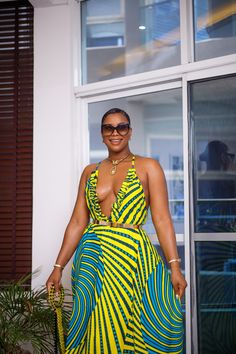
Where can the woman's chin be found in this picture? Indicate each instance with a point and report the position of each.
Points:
(116, 147)
(116, 144)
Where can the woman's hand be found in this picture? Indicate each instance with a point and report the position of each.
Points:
(54, 280)
(178, 281)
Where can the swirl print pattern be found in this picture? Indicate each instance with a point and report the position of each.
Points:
(124, 301)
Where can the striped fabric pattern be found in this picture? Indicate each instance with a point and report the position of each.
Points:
(124, 301)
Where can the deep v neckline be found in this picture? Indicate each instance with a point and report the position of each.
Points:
(117, 196)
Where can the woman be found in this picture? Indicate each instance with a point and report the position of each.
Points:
(124, 299)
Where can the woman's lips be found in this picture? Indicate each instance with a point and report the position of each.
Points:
(115, 141)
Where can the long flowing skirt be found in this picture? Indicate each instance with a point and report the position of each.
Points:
(124, 301)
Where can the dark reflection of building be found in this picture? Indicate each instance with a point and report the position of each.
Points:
(216, 189)
(215, 182)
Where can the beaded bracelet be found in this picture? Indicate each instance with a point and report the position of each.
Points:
(175, 260)
(58, 266)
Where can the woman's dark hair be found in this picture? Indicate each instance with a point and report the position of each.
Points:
(113, 111)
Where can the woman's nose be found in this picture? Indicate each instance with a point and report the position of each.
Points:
(115, 132)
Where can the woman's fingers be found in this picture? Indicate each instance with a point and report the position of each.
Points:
(54, 280)
(177, 290)
(179, 286)
(49, 285)
(56, 285)
(181, 291)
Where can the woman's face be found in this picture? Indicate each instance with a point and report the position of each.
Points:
(116, 142)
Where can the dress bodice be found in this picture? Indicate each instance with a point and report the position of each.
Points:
(130, 203)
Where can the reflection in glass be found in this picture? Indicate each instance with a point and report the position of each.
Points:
(217, 158)
(156, 120)
(215, 28)
(120, 37)
(214, 174)
(98, 36)
(216, 297)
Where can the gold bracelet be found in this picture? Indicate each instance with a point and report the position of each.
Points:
(58, 266)
(175, 260)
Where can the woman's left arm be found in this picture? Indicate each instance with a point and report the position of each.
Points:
(163, 224)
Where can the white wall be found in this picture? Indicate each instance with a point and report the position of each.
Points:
(54, 189)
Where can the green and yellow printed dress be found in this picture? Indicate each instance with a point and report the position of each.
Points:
(124, 301)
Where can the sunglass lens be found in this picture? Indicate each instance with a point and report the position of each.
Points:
(107, 129)
(123, 129)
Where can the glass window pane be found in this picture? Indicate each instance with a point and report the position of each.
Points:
(157, 132)
(105, 8)
(121, 38)
(213, 112)
(216, 297)
(215, 28)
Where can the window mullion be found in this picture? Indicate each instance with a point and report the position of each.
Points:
(186, 31)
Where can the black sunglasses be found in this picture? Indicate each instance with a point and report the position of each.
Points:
(122, 129)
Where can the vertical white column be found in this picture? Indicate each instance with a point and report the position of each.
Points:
(53, 167)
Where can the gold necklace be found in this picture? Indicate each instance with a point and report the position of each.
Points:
(115, 163)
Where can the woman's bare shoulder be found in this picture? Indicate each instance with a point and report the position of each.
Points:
(148, 163)
(88, 170)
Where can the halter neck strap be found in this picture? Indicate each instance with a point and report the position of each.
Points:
(133, 159)
(98, 164)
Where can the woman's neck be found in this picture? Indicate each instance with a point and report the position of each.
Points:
(118, 155)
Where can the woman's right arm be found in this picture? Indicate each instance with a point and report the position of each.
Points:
(73, 233)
